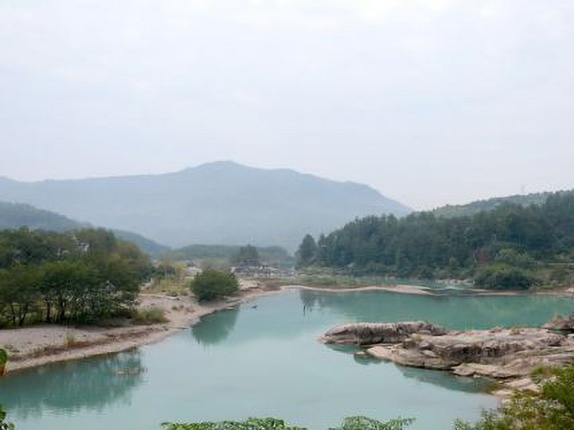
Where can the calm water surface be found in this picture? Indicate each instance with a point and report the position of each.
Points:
(263, 360)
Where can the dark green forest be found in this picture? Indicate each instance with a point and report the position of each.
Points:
(511, 246)
(83, 276)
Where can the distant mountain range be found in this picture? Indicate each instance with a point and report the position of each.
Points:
(17, 215)
(451, 211)
(215, 203)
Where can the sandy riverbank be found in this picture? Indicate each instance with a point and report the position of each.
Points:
(40, 345)
(402, 289)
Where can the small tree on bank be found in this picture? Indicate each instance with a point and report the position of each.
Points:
(213, 285)
(307, 252)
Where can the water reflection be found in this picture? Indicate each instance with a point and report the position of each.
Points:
(309, 298)
(250, 353)
(66, 388)
(365, 360)
(215, 328)
(450, 382)
(453, 311)
(443, 379)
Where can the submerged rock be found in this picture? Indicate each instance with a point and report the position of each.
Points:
(374, 333)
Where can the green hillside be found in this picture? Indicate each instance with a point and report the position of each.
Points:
(451, 211)
(18, 215)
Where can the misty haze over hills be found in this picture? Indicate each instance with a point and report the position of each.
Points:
(475, 207)
(215, 203)
(17, 215)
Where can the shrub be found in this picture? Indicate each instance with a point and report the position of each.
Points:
(352, 423)
(3, 424)
(250, 424)
(214, 284)
(71, 340)
(363, 423)
(153, 315)
(514, 258)
(502, 277)
(553, 409)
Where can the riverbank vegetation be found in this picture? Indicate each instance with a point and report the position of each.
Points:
(3, 361)
(509, 247)
(351, 423)
(551, 409)
(4, 424)
(213, 284)
(79, 277)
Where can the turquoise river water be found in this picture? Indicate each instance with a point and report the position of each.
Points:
(263, 360)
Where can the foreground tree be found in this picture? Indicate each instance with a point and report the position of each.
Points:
(552, 409)
(352, 423)
(213, 285)
(4, 425)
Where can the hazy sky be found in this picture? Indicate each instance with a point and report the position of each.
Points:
(429, 101)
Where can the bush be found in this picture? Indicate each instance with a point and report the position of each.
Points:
(514, 258)
(214, 284)
(363, 423)
(3, 424)
(352, 423)
(553, 409)
(250, 424)
(502, 277)
(153, 315)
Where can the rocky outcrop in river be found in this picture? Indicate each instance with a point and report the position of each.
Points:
(361, 334)
(499, 353)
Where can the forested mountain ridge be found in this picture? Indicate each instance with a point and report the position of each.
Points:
(509, 246)
(475, 207)
(18, 215)
(14, 215)
(214, 203)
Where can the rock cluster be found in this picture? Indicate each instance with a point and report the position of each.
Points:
(361, 334)
(561, 324)
(499, 353)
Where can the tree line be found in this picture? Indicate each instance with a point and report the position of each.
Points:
(81, 276)
(274, 255)
(499, 248)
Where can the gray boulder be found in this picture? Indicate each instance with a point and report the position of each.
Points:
(561, 324)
